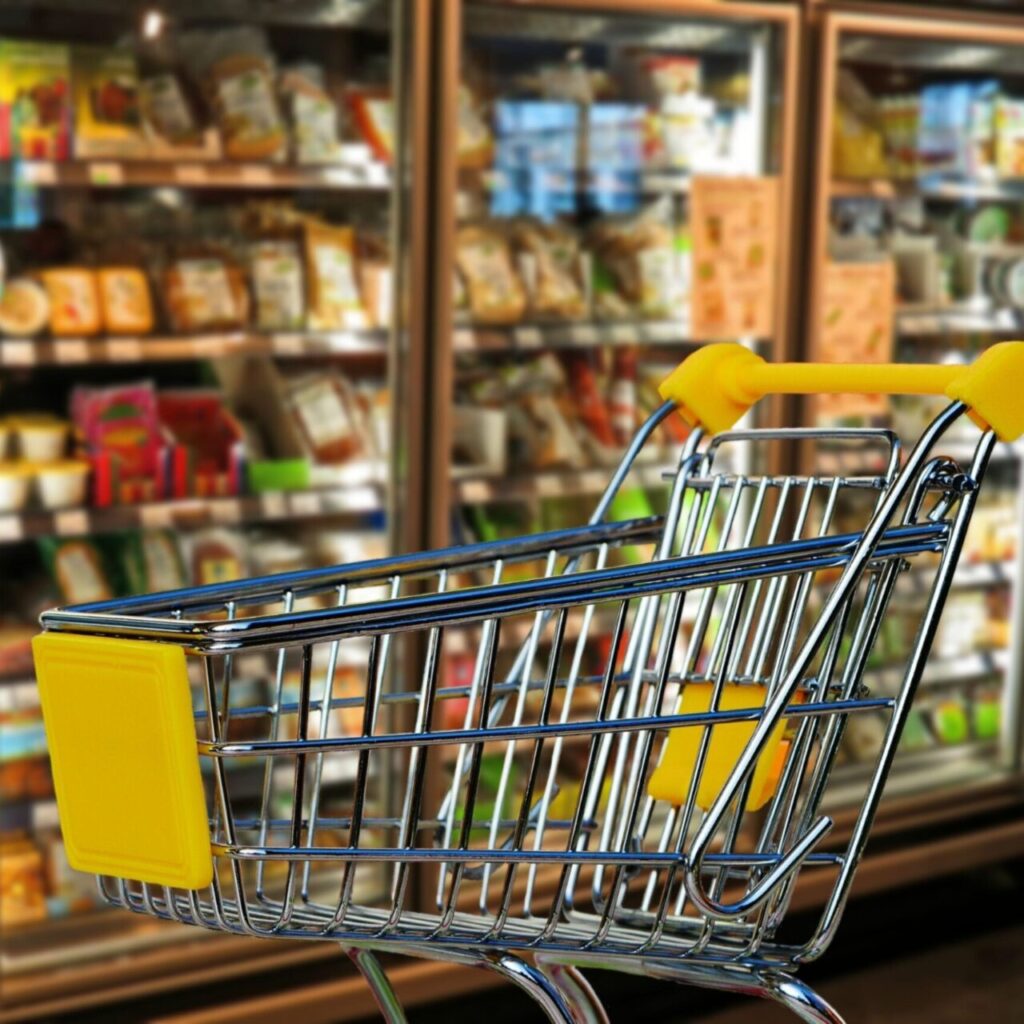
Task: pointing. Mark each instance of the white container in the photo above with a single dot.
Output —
(15, 480)
(63, 484)
(41, 439)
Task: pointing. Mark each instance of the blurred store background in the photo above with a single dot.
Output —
(294, 283)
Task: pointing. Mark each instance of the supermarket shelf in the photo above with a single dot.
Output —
(15, 352)
(928, 187)
(925, 321)
(942, 671)
(191, 513)
(617, 180)
(963, 451)
(575, 335)
(556, 484)
(358, 172)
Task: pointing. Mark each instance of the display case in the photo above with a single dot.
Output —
(915, 237)
(210, 363)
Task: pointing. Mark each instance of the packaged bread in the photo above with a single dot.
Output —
(204, 292)
(550, 259)
(484, 259)
(74, 301)
(312, 115)
(331, 276)
(24, 307)
(236, 71)
(125, 300)
(326, 414)
(278, 285)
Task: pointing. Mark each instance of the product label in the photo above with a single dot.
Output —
(207, 291)
(323, 414)
(336, 276)
(277, 282)
(248, 102)
(316, 130)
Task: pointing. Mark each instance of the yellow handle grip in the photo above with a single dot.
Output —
(718, 384)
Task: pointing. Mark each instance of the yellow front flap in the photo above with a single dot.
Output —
(119, 725)
(671, 779)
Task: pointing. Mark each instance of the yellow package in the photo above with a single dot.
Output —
(125, 300)
(331, 277)
(105, 82)
(671, 779)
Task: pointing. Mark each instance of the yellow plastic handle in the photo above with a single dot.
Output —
(718, 384)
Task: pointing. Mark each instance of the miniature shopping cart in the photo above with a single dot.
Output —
(611, 746)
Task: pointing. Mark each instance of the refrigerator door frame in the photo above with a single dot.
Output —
(974, 27)
(785, 18)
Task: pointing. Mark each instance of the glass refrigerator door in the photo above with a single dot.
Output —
(203, 241)
(918, 255)
(571, 277)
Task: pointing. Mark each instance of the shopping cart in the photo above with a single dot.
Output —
(609, 746)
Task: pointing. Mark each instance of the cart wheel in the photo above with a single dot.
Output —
(576, 991)
(370, 968)
(800, 998)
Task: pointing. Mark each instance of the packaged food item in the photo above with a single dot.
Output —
(1009, 131)
(483, 258)
(550, 258)
(204, 292)
(22, 885)
(331, 277)
(590, 404)
(35, 102)
(41, 437)
(121, 423)
(865, 735)
(153, 562)
(622, 401)
(322, 408)
(475, 142)
(63, 484)
(312, 115)
(105, 82)
(216, 556)
(74, 301)
(78, 568)
(950, 721)
(207, 442)
(916, 734)
(125, 300)
(24, 307)
(15, 485)
(166, 111)
(373, 115)
(278, 285)
(376, 280)
(236, 70)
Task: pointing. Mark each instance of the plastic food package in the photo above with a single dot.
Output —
(216, 556)
(24, 307)
(484, 259)
(74, 301)
(22, 885)
(549, 255)
(125, 300)
(15, 485)
(63, 484)
(121, 422)
(1009, 131)
(373, 115)
(331, 276)
(312, 115)
(78, 568)
(35, 102)
(323, 410)
(236, 71)
(105, 82)
(278, 285)
(204, 292)
(475, 142)
(153, 562)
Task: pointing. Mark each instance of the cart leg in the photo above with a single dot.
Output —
(541, 989)
(370, 968)
(800, 998)
(576, 991)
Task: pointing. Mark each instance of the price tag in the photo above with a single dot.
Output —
(255, 174)
(11, 528)
(17, 353)
(273, 505)
(305, 504)
(288, 344)
(125, 350)
(71, 350)
(71, 523)
(106, 173)
(226, 511)
(528, 337)
(38, 172)
(155, 516)
(190, 174)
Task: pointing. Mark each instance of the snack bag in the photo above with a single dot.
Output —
(204, 292)
(311, 113)
(278, 285)
(331, 275)
(549, 257)
(484, 259)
